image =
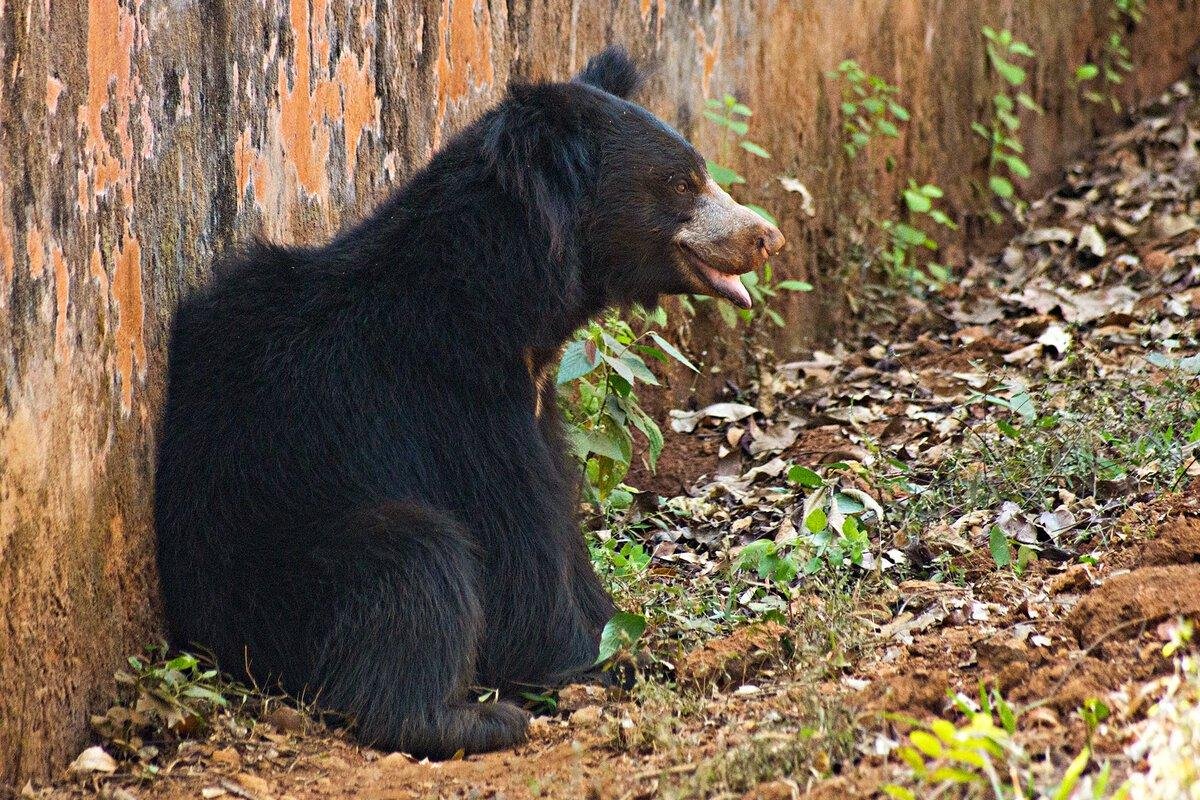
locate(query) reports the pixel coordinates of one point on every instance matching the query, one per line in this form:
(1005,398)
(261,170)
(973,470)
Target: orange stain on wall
(709,56)
(662,10)
(305,141)
(464,53)
(317,94)
(127,294)
(110,40)
(35,248)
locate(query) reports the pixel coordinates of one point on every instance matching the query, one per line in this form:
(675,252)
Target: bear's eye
(682,187)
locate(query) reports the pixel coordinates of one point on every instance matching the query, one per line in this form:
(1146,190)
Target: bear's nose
(769,241)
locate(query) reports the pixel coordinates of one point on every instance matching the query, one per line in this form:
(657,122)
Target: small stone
(209,792)
(586,717)
(91,760)
(999,652)
(396,760)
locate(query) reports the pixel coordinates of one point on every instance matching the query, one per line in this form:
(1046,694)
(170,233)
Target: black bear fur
(359,493)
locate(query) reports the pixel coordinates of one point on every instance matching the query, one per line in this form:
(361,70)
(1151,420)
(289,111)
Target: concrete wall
(139,138)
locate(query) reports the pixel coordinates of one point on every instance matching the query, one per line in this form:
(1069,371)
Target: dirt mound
(1144,596)
(1178,543)
(734,659)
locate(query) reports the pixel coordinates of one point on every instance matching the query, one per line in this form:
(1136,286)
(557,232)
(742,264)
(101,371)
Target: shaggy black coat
(356,496)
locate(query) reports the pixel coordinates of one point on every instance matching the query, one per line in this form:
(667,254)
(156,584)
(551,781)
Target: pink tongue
(729,286)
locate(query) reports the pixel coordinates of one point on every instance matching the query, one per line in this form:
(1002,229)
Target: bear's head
(621,196)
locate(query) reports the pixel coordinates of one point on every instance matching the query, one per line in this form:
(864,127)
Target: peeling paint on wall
(315,97)
(35,250)
(464,55)
(54,89)
(709,54)
(110,42)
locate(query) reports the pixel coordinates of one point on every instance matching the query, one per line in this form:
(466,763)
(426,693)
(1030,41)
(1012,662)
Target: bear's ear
(613,71)
(540,154)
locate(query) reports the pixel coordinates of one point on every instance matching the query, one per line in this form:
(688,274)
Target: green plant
(1099,81)
(597,377)
(1110,439)
(731,116)
(906,239)
(1002,129)
(981,757)
(870,108)
(835,520)
(161,699)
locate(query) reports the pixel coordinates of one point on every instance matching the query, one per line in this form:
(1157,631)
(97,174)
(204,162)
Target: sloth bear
(361,489)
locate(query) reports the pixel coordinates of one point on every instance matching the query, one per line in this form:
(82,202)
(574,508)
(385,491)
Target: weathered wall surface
(140,138)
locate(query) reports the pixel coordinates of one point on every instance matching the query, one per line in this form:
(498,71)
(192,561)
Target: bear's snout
(724,239)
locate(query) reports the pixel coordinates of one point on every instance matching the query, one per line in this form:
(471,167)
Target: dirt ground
(1078,623)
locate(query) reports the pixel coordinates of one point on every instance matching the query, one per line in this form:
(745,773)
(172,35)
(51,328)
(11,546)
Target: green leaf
(1017,166)
(203,693)
(753,149)
(619,367)
(577,361)
(1022,49)
(1029,102)
(909,235)
(1072,775)
(738,127)
(927,743)
(741,108)
(670,350)
(649,428)
(609,440)
(1009,71)
(724,176)
(998,545)
(806,477)
(623,630)
(817,521)
(1001,186)
(794,286)
(762,212)
(638,367)
(718,118)
(887,129)
(182,663)
(917,202)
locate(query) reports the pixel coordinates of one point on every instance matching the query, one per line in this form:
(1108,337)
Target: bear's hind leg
(396,649)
